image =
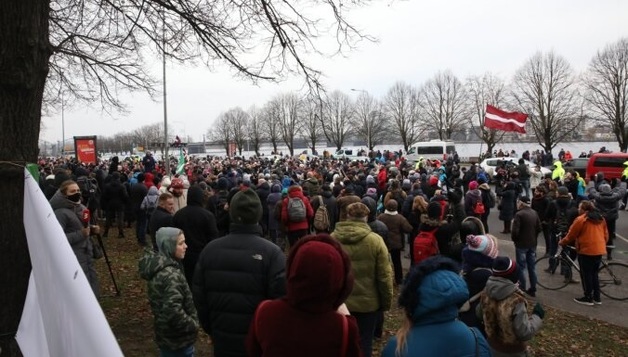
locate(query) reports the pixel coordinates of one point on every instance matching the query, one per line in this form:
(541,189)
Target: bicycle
(613,275)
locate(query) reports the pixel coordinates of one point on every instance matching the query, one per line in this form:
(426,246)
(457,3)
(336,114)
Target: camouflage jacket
(176,321)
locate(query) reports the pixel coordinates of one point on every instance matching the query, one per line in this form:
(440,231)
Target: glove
(538,310)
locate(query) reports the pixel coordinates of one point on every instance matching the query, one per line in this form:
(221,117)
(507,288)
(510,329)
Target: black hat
(434,210)
(525,199)
(506,268)
(245,207)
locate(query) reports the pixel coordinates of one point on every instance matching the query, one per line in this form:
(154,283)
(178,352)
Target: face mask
(75,197)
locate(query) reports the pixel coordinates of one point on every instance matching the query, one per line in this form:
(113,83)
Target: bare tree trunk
(24,57)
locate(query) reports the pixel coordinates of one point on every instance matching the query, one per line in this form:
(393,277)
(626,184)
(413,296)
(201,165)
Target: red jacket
(296,191)
(382,178)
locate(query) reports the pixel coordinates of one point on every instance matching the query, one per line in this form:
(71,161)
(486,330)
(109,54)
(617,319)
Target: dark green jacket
(176,322)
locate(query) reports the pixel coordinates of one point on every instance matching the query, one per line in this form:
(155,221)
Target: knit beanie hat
(245,207)
(506,268)
(166,238)
(434,210)
(482,244)
(473,185)
(605,188)
(563,191)
(370,179)
(433,181)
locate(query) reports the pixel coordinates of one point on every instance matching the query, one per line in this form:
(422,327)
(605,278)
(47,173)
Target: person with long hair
(430,297)
(590,234)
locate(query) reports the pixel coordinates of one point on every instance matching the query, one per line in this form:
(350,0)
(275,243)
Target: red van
(611,165)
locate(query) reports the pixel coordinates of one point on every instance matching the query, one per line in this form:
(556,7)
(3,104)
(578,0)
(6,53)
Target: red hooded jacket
(296,191)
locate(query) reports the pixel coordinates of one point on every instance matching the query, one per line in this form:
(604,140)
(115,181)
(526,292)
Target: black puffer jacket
(233,275)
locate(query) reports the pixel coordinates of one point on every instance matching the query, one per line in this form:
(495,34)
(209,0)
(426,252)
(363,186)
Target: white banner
(61,317)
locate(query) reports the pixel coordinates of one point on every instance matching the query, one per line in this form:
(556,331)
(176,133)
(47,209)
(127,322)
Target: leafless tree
(272,123)
(311,128)
(487,89)
(401,105)
(443,102)
(371,122)
(222,133)
(255,130)
(606,83)
(337,117)
(288,114)
(545,88)
(238,121)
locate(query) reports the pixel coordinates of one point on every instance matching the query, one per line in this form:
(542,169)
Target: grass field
(129,315)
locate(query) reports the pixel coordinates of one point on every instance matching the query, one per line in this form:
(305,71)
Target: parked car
(350,154)
(490,164)
(579,165)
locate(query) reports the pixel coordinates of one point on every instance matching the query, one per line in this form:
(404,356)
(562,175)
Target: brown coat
(397,225)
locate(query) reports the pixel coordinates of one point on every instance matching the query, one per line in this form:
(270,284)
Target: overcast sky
(416,40)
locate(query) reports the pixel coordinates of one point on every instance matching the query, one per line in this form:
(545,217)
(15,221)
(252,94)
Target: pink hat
(473,185)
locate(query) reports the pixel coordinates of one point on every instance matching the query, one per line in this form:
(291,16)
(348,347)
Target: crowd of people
(260,253)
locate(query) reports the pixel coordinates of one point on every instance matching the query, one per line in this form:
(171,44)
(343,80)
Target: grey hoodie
(524,326)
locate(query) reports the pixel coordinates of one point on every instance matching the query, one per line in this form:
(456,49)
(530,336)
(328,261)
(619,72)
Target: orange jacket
(589,234)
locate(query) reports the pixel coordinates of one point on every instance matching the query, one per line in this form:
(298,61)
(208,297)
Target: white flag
(61,316)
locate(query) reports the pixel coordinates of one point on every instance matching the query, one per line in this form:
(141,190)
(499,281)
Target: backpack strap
(320,199)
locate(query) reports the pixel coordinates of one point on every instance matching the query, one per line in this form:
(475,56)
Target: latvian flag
(506,121)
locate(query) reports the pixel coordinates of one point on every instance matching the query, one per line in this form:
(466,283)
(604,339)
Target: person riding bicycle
(590,235)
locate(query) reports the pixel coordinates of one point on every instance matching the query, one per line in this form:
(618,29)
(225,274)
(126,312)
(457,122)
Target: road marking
(622,238)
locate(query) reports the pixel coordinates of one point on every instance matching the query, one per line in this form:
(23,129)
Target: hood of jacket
(472,259)
(484,186)
(499,288)
(58,201)
(558,164)
(152,263)
(153,191)
(350,232)
(295,191)
(595,216)
(318,275)
(195,196)
(441,293)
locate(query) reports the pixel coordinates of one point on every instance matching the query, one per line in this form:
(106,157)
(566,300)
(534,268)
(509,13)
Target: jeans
(525,184)
(526,258)
(366,326)
(182,352)
(589,266)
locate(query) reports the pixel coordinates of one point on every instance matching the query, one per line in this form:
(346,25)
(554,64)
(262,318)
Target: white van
(432,150)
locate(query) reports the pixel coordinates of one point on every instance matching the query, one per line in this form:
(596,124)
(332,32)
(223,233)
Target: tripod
(94,221)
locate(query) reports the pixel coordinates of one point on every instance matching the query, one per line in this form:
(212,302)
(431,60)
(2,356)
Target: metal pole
(62,126)
(163,43)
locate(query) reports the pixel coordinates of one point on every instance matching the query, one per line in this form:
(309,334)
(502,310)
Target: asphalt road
(611,311)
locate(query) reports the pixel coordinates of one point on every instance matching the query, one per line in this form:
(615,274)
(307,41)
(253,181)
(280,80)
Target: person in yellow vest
(624,177)
(558,173)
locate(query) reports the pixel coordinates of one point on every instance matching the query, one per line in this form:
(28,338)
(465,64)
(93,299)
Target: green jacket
(370,262)
(176,322)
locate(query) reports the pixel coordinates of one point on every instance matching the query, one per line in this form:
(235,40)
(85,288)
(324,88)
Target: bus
(432,150)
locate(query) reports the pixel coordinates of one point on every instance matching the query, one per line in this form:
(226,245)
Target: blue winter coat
(435,330)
